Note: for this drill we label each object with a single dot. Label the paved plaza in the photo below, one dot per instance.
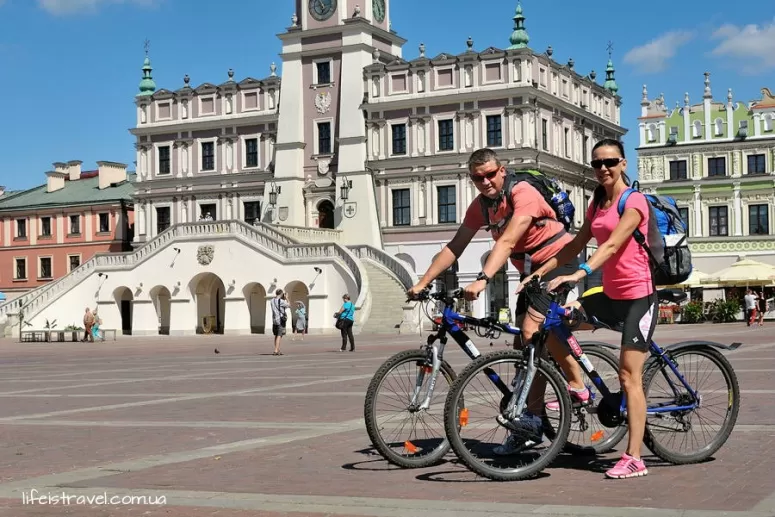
(245, 433)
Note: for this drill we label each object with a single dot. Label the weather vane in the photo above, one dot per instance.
(147, 45)
(610, 48)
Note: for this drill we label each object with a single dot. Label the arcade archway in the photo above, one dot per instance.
(255, 297)
(297, 292)
(160, 296)
(208, 292)
(123, 296)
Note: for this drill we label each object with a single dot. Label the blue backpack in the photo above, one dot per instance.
(666, 244)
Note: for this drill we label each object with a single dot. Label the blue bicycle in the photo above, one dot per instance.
(679, 395)
(403, 408)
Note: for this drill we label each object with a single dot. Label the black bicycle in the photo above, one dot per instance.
(412, 434)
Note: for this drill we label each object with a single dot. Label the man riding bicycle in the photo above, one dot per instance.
(525, 226)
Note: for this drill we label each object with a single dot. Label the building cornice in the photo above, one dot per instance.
(489, 93)
(218, 122)
(358, 24)
(705, 147)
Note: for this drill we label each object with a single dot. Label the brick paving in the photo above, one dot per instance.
(245, 433)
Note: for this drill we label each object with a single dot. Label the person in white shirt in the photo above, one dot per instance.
(750, 306)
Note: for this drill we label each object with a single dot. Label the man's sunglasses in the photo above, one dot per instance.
(608, 162)
(479, 178)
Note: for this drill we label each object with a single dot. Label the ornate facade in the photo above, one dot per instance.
(716, 159)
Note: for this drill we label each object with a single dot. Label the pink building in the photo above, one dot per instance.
(51, 229)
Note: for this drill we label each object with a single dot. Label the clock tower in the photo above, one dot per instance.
(321, 133)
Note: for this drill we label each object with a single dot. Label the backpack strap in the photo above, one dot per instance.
(639, 237)
(520, 255)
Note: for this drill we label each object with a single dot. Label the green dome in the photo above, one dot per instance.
(147, 86)
(519, 38)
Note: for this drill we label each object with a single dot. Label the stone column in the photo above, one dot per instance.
(697, 231)
(237, 315)
(182, 316)
(145, 321)
(141, 223)
(738, 209)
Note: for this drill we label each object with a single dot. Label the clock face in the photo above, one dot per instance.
(378, 6)
(322, 9)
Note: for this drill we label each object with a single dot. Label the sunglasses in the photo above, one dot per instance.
(479, 178)
(608, 162)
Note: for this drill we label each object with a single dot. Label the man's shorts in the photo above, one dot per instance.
(278, 330)
(541, 303)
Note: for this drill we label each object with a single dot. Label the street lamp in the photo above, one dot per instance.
(273, 191)
(345, 189)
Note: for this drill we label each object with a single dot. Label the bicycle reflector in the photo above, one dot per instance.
(463, 417)
(597, 436)
(409, 446)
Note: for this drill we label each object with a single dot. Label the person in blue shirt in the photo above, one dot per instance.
(347, 316)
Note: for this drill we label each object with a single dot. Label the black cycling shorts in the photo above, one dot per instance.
(541, 303)
(635, 319)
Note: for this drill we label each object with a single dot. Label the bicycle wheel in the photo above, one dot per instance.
(720, 403)
(588, 436)
(424, 443)
(481, 409)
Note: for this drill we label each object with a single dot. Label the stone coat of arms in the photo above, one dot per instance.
(322, 102)
(204, 254)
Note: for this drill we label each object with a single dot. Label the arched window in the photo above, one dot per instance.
(651, 133)
(768, 122)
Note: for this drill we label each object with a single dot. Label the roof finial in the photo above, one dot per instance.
(729, 95)
(422, 49)
(708, 94)
(147, 86)
(686, 99)
(519, 38)
(644, 101)
(610, 80)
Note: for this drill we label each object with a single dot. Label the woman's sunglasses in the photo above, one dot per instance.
(479, 178)
(608, 162)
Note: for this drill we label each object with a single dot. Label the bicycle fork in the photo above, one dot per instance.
(523, 380)
(435, 353)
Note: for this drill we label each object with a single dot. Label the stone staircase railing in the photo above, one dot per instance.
(277, 243)
(364, 251)
(303, 234)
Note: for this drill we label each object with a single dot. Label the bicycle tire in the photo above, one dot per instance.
(372, 426)
(451, 418)
(733, 407)
(592, 348)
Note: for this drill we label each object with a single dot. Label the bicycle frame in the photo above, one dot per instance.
(555, 323)
(450, 321)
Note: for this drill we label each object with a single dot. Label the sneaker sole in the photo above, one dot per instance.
(628, 476)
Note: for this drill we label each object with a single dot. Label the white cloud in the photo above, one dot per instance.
(63, 7)
(751, 46)
(654, 55)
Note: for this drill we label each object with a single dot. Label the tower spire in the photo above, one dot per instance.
(519, 38)
(610, 80)
(147, 86)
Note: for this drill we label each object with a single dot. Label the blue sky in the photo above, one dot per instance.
(70, 68)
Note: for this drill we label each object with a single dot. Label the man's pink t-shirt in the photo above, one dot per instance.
(527, 201)
(626, 275)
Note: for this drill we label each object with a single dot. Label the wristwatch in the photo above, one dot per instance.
(483, 276)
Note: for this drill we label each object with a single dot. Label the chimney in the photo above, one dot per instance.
(74, 169)
(55, 181)
(111, 172)
(60, 167)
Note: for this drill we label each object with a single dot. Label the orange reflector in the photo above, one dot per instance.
(463, 419)
(597, 436)
(410, 447)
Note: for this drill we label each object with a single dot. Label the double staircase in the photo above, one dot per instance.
(381, 279)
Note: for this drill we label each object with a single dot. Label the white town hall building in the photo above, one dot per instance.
(346, 174)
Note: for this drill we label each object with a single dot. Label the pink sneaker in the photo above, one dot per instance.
(628, 467)
(575, 395)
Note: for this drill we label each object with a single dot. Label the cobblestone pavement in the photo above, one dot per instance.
(243, 433)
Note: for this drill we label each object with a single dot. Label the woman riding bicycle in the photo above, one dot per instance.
(628, 299)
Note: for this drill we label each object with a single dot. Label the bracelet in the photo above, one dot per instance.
(585, 267)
